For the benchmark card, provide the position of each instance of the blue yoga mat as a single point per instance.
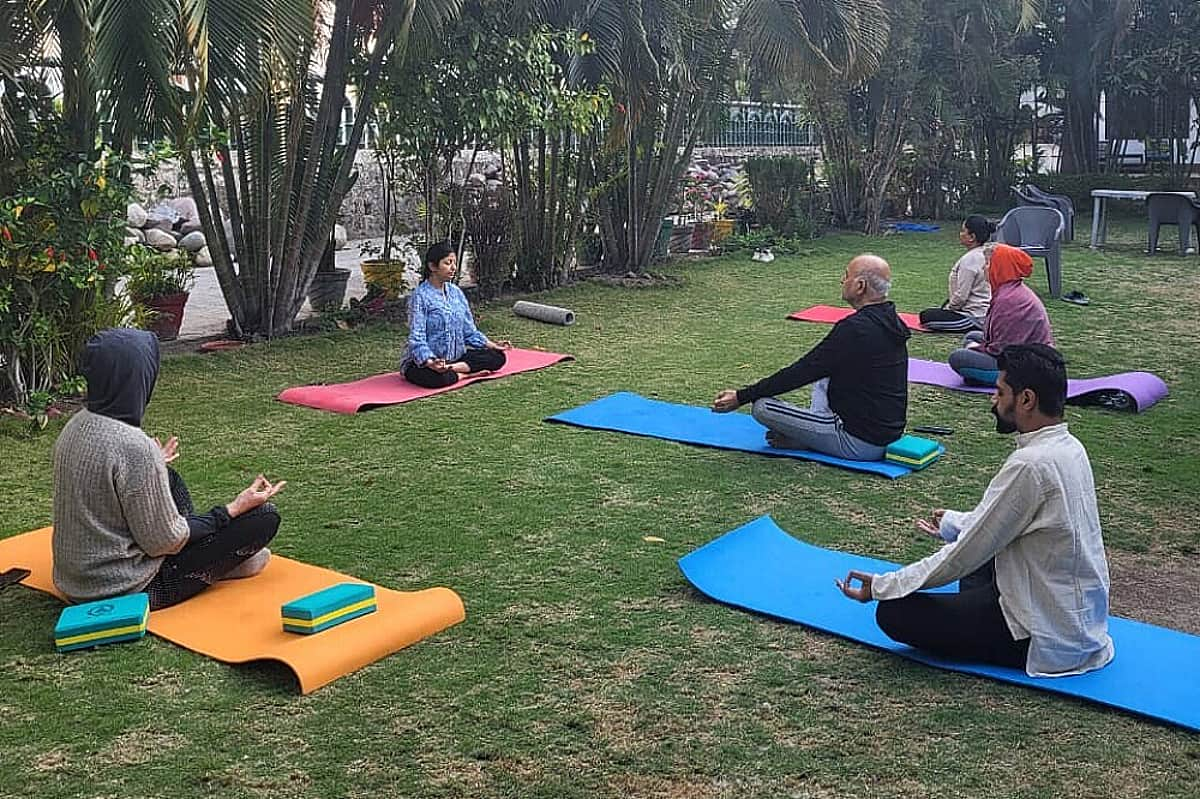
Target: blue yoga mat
(626, 412)
(761, 568)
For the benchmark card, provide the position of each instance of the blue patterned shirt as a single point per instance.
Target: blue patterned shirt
(440, 325)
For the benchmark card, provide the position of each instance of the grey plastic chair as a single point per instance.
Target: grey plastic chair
(1037, 230)
(1172, 209)
(1060, 201)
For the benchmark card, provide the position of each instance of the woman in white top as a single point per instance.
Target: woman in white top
(970, 294)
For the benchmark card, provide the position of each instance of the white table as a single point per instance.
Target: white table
(1100, 198)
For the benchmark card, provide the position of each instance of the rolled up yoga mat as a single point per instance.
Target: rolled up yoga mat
(544, 313)
(1126, 391)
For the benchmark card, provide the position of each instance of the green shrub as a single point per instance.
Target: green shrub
(787, 196)
(491, 221)
(62, 224)
(1079, 187)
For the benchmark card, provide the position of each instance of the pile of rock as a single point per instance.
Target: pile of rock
(721, 180)
(169, 225)
(175, 225)
(488, 177)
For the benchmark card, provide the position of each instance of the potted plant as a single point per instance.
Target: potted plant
(384, 274)
(722, 226)
(698, 195)
(327, 291)
(160, 282)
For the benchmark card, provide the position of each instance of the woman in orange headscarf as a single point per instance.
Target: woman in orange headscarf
(1016, 316)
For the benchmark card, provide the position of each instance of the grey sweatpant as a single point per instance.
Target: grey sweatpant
(816, 428)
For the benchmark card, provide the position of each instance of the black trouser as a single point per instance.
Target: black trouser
(941, 320)
(968, 625)
(482, 359)
(208, 558)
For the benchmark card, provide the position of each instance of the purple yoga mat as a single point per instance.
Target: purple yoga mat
(1142, 388)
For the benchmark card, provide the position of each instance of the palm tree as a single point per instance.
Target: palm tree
(670, 67)
(231, 79)
(285, 159)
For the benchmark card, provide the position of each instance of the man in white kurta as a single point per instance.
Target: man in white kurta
(1033, 589)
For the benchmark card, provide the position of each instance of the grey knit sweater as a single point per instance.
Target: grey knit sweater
(114, 519)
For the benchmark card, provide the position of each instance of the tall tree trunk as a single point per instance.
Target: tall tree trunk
(1081, 103)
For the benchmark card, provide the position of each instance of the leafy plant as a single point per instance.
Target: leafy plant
(490, 220)
(156, 274)
(62, 223)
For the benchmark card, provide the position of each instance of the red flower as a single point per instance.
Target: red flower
(6, 233)
(100, 267)
(620, 108)
(49, 252)
(92, 254)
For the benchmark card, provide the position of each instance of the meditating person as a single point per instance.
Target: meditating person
(1029, 558)
(1016, 316)
(970, 293)
(859, 375)
(443, 342)
(123, 520)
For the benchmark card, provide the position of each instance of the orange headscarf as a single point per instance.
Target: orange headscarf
(1008, 264)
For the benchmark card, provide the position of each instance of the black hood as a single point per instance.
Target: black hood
(121, 366)
(885, 314)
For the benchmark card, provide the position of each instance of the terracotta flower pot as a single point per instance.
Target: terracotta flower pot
(168, 315)
(681, 238)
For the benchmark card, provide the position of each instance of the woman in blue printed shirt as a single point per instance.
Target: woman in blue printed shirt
(443, 342)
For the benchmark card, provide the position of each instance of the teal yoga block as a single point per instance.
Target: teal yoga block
(106, 621)
(328, 607)
(913, 451)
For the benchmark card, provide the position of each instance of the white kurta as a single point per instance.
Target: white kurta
(1038, 519)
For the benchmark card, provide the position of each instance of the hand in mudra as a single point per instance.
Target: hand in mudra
(726, 401)
(258, 493)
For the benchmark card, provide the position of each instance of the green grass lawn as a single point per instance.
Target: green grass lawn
(586, 666)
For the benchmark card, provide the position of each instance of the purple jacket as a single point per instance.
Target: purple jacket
(1016, 316)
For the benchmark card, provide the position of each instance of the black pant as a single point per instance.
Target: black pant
(207, 559)
(968, 625)
(477, 360)
(941, 320)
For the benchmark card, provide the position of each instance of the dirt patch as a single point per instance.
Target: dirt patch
(1152, 589)
(53, 761)
(135, 747)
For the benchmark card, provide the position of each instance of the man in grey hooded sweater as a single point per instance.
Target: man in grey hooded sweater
(123, 521)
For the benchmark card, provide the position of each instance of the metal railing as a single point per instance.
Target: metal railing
(757, 125)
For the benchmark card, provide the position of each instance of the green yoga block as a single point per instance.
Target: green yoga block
(328, 608)
(106, 621)
(913, 451)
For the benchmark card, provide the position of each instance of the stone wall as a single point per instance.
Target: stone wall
(362, 210)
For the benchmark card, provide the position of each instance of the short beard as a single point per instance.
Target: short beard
(1003, 426)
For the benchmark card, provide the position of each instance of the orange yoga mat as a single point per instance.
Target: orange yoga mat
(237, 621)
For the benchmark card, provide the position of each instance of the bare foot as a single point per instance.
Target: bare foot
(779, 441)
(251, 566)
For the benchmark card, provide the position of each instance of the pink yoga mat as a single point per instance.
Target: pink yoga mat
(830, 314)
(392, 388)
